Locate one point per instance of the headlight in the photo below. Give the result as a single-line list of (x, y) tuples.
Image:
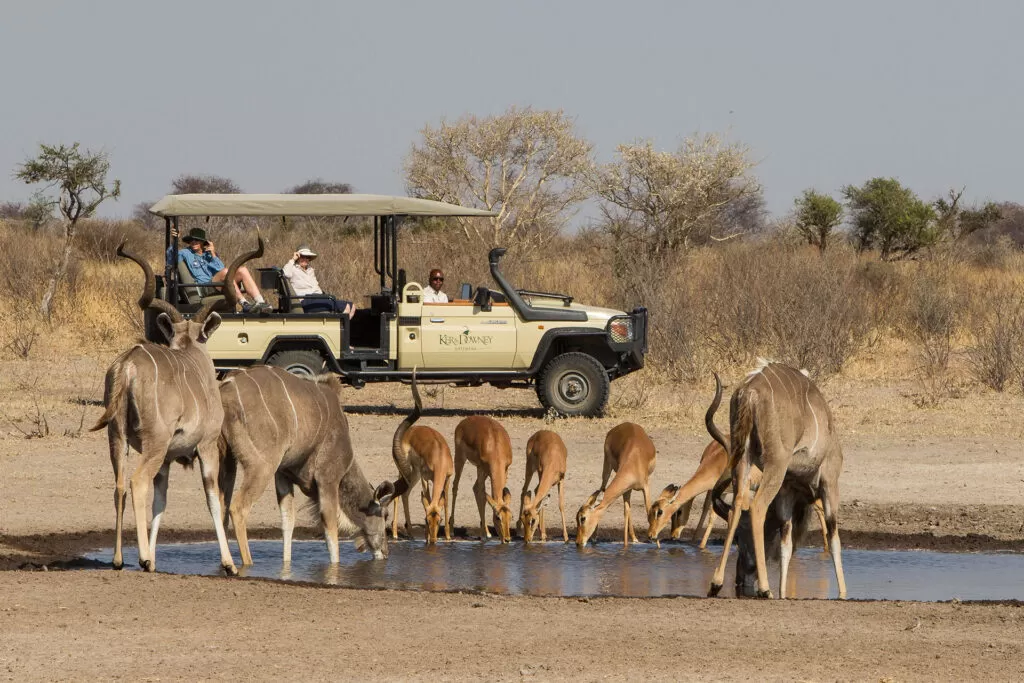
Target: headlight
[(621, 330)]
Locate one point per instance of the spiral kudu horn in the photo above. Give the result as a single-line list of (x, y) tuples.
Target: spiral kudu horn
[(148, 298), (230, 297)]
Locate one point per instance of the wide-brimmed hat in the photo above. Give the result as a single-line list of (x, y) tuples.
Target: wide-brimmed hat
[(196, 234), (304, 250)]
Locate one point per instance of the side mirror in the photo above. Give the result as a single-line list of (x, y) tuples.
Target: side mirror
[(482, 300), (465, 291)]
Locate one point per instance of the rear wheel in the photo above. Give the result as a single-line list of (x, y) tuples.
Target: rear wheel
[(574, 384), (299, 362)]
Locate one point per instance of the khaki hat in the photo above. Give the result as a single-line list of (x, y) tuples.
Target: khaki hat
[(304, 250)]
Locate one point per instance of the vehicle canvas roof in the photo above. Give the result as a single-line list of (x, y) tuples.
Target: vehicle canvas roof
[(306, 205)]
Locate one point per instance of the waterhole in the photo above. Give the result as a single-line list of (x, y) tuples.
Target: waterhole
[(608, 569)]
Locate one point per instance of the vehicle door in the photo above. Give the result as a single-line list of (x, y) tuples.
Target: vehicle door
[(409, 340), (462, 334)]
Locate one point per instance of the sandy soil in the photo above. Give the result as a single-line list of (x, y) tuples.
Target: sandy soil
[(948, 477)]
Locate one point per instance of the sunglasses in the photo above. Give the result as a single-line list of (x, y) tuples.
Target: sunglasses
[(437, 279)]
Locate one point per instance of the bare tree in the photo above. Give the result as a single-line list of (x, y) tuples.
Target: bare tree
[(319, 186), (204, 184), (524, 164), (662, 201), (80, 178)]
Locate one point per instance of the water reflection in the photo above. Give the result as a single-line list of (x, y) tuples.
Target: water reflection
[(641, 570)]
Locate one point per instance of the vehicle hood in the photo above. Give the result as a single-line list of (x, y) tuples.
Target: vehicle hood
[(594, 313)]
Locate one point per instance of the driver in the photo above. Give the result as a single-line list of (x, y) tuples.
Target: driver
[(433, 294)]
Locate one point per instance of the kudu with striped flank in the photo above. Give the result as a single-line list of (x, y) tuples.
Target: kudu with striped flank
[(630, 453), (781, 424), (482, 441), (163, 402), (545, 456), (422, 454), (293, 430)]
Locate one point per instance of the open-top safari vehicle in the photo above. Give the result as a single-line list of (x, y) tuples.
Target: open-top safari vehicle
[(507, 337)]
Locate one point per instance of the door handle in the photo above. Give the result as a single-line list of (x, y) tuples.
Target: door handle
[(437, 320)]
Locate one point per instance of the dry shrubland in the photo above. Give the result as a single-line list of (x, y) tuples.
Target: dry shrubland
[(959, 311)]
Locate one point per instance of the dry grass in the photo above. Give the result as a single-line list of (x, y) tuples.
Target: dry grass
[(942, 329)]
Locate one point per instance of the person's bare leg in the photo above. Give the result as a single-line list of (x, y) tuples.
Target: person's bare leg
[(219, 277)]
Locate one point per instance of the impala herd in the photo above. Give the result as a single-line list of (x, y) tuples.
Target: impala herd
[(780, 460)]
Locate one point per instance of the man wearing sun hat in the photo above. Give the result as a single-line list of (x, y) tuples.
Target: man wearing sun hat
[(299, 270), (206, 267)]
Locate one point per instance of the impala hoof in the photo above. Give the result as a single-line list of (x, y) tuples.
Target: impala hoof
[(764, 595), (715, 589), (117, 565), (147, 565), (229, 569)]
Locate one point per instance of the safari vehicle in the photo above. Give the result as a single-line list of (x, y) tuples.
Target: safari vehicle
[(507, 337)]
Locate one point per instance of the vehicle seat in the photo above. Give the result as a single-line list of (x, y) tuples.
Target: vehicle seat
[(292, 301), (194, 294)]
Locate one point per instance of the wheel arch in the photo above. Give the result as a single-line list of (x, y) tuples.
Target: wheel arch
[(309, 342)]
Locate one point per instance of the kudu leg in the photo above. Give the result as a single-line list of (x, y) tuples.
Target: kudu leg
[(159, 505), (119, 461), (255, 479), (329, 507), (819, 509), (785, 555), (740, 502), (286, 503), (829, 502), (405, 509), (771, 482), (142, 478), (209, 464)]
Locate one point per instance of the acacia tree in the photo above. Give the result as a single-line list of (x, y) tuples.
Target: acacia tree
[(891, 218), (660, 202), (80, 179), (319, 186), (526, 165), (817, 215), (957, 222)]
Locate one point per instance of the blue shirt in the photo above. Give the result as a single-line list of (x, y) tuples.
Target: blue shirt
[(202, 266)]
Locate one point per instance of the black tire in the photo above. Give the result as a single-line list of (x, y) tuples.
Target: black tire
[(574, 384), (301, 363)]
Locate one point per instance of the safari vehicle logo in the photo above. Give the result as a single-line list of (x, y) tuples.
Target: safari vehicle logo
[(466, 339)]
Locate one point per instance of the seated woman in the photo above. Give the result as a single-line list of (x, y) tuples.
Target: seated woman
[(299, 271)]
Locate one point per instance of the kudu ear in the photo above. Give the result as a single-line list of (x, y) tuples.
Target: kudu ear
[(211, 323), (166, 327)]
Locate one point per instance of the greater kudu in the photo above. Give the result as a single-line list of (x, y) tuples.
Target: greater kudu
[(293, 430), (163, 402), (781, 424)]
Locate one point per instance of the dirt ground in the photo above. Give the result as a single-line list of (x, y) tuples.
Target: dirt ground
[(947, 477)]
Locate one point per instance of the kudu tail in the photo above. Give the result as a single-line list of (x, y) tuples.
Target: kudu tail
[(709, 417), (401, 460), (114, 395)]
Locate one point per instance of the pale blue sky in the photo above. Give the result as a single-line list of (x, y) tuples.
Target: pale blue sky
[(271, 94)]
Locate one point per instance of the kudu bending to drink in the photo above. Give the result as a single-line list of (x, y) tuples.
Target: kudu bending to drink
[(163, 402), (293, 430), (545, 457), (421, 453), (675, 501), (630, 453), (485, 443), (781, 424)]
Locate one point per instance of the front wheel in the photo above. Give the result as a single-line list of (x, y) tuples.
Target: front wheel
[(574, 384), (299, 362)]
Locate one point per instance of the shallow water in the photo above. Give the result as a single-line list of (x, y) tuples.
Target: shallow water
[(608, 569)]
